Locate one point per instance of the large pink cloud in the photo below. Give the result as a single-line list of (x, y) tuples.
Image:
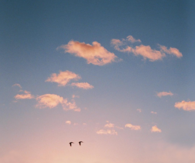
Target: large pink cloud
[(94, 54), (185, 105), (53, 100), (63, 77)]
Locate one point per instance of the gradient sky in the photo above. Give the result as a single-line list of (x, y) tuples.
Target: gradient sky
[(118, 75)]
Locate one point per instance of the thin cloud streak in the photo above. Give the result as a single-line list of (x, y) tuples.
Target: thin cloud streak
[(83, 85), (18, 85), (185, 105), (160, 94), (26, 95), (63, 77), (107, 132), (94, 54), (133, 127)]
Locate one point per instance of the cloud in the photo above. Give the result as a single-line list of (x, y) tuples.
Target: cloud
[(160, 94), (132, 127), (107, 132), (173, 51), (139, 110), (145, 51), (152, 112), (155, 129), (25, 95), (82, 85), (18, 85), (63, 77), (109, 125), (94, 54), (53, 100), (68, 122), (185, 105)]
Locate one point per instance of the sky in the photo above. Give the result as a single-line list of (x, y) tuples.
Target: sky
[(117, 75)]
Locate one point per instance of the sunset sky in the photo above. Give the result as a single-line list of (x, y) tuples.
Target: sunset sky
[(117, 75)]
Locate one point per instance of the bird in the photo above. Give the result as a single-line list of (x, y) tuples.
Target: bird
[(80, 142), (71, 143)]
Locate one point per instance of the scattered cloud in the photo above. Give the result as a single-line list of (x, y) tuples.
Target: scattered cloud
[(68, 122), (25, 95), (160, 94), (139, 110), (152, 112), (132, 127), (107, 132), (155, 129), (94, 54), (75, 96), (63, 77), (18, 85), (53, 100), (109, 125), (145, 51), (82, 85), (185, 105)]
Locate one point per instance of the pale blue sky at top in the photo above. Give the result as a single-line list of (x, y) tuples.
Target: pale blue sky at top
[(118, 75)]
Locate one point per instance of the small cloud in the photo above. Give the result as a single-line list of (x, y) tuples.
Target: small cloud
[(84, 124), (63, 77), (18, 85), (160, 94), (185, 105), (109, 125), (155, 129), (25, 95), (75, 96), (94, 54), (173, 51), (139, 110), (53, 100), (107, 132), (68, 122), (152, 112), (82, 85), (132, 127), (132, 39)]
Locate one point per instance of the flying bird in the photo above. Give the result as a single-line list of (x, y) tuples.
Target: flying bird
[(71, 143), (80, 142)]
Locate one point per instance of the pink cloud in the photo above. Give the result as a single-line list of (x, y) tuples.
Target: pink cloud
[(53, 100), (109, 125), (63, 77), (18, 85), (173, 51), (152, 112), (26, 95), (68, 122), (83, 85), (132, 127), (132, 39), (160, 94), (185, 105), (94, 54), (107, 132), (155, 129)]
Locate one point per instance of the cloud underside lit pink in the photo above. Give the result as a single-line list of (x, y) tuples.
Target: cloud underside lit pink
[(53, 100), (107, 132), (160, 94), (145, 51), (133, 127), (94, 54), (185, 105), (63, 77), (82, 85), (155, 129), (26, 95)]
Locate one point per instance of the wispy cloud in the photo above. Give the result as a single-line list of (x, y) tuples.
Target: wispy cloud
[(133, 127), (107, 132), (152, 112), (160, 94), (139, 110), (68, 122), (83, 85), (185, 105), (63, 77), (25, 95), (145, 51), (109, 125), (94, 54), (53, 100), (18, 85), (155, 129)]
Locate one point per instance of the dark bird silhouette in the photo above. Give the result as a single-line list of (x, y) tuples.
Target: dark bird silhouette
[(71, 143), (80, 142)]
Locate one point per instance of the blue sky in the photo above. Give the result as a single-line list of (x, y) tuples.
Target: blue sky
[(118, 75)]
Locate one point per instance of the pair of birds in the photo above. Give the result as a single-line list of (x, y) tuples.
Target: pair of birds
[(73, 142)]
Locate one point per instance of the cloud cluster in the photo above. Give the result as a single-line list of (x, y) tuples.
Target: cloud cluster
[(155, 129), (160, 94), (53, 100), (185, 105), (145, 51), (94, 54), (133, 127)]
